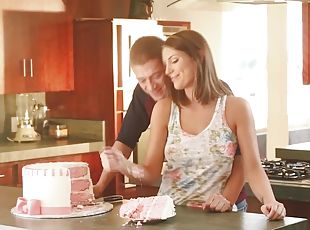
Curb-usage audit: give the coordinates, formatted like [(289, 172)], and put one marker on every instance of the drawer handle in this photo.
[(31, 68), (24, 67), (1, 175)]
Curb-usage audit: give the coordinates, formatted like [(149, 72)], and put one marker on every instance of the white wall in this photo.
[(277, 123), (205, 19)]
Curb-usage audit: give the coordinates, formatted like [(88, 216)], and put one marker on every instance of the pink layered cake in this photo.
[(54, 188), (148, 208)]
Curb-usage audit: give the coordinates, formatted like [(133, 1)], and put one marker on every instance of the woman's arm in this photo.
[(154, 158), (242, 118)]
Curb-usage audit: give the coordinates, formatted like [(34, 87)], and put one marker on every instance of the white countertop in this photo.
[(299, 146)]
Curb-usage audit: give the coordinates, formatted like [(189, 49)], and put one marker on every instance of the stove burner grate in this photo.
[(282, 170)]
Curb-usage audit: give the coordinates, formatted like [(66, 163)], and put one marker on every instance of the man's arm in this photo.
[(235, 181), (150, 171), (135, 122), (106, 177), (137, 118)]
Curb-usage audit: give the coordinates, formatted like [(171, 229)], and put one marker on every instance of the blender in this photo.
[(25, 131)]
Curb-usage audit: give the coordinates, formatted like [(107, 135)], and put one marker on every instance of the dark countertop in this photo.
[(300, 151), (185, 218)]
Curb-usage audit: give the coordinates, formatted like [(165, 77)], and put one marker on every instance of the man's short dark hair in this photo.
[(145, 49)]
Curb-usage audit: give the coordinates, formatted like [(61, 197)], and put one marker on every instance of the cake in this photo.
[(148, 208), (57, 187)]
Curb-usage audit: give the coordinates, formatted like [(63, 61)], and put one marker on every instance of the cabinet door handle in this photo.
[(31, 68), (24, 67), (1, 175)]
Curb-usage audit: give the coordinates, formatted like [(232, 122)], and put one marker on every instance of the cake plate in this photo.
[(87, 210)]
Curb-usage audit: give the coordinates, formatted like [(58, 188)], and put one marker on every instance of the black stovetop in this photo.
[(287, 170)]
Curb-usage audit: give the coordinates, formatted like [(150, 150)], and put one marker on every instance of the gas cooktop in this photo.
[(287, 170)]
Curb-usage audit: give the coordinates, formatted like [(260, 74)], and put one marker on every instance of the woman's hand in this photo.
[(274, 210)]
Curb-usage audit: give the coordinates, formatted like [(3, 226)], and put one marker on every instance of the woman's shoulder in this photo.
[(236, 102), (161, 111), (164, 103), (237, 107)]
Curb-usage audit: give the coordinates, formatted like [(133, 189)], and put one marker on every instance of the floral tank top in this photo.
[(198, 165)]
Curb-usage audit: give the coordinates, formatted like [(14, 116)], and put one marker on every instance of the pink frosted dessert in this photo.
[(54, 188), (148, 208)]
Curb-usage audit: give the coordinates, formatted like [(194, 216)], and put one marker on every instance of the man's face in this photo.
[(151, 78)]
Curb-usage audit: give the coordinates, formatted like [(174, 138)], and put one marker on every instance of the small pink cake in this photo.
[(148, 208), (54, 188)]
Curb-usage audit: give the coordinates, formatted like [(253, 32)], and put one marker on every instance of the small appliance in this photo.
[(25, 130)]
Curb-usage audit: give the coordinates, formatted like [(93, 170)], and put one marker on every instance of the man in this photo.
[(146, 63)]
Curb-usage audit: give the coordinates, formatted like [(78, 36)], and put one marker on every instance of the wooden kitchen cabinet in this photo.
[(171, 27), (8, 174), (13, 171), (38, 52), (306, 47), (103, 79)]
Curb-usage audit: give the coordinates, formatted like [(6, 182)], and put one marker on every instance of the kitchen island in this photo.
[(186, 218)]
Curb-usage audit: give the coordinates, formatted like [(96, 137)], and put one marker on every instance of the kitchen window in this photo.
[(298, 94), (244, 53), (244, 62)]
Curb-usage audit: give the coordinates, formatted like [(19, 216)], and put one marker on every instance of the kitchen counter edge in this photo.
[(11, 152)]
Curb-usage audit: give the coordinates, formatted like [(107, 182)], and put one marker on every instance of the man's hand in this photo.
[(114, 161), (97, 191), (217, 203), (274, 210)]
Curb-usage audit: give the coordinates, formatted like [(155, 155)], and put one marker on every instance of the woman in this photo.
[(198, 129)]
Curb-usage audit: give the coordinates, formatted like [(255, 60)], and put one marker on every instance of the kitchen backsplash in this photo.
[(8, 110)]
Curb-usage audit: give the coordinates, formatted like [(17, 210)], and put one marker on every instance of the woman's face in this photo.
[(180, 67)]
